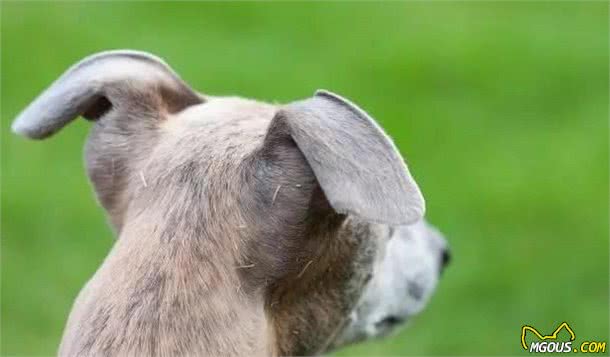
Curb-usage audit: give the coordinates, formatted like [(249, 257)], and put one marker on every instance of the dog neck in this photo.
[(167, 294)]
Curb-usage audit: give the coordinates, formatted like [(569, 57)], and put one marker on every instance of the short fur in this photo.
[(243, 228)]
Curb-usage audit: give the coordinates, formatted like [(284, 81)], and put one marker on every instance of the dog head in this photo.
[(405, 275), (307, 208)]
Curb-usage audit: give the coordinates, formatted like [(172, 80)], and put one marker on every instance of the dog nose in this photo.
[(445, 258)]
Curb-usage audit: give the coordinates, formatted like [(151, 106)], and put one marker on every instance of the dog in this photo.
[(243, 228)]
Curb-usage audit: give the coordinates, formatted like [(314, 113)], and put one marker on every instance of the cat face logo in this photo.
[(550, 343), (565, 345)]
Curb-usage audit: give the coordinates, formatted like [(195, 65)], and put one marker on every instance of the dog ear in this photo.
[(114, 80), (356, 165), (127, 93)]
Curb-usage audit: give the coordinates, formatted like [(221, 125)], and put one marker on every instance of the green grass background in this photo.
[(501, 109)]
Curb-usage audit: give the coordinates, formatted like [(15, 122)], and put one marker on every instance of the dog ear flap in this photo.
[(357, 166), (114, 80)]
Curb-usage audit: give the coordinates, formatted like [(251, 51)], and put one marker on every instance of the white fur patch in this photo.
[(404, 278)]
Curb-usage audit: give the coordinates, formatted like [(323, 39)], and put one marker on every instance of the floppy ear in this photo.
[(114, 80), (127, 93), (355, 163)]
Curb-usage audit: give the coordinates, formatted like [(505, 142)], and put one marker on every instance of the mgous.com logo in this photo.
[(560, 341)]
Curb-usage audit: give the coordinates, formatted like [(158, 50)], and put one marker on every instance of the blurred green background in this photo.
[(501, 109)]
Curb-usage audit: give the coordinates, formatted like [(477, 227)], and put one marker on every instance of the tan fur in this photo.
[(175, 273), (228, 243)]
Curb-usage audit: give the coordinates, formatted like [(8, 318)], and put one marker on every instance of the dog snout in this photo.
[(445, 259)]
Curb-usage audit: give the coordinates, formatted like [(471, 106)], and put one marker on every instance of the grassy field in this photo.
[(501, 109)]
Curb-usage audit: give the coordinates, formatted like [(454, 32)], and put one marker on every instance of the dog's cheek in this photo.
[(115, 148), (285, 209), (107, 168), (309, 312)]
